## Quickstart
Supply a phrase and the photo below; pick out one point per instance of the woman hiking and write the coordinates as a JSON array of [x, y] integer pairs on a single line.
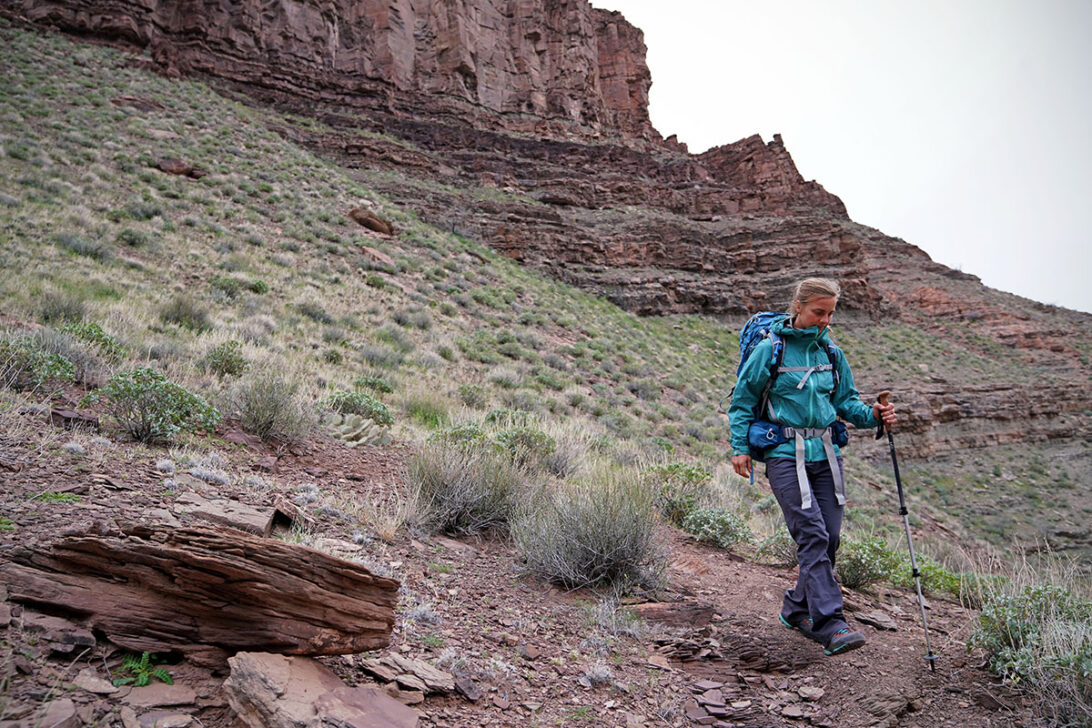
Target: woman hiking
[[812, 386]]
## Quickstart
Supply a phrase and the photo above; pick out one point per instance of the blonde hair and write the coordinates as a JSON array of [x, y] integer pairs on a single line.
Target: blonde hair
[[810, 288]]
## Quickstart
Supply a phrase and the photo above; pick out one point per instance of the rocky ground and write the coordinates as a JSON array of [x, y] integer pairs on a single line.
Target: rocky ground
[[517, 651]]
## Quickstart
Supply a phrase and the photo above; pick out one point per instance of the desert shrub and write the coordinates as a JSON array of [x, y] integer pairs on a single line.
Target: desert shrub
[[396, 337], [257, 285], [268, 406], [56, 307], [526, 446], [359, 403], [934, 577], [186, 312], [414, 317], [1041, 635], [374, 383], [463, 490], [595, 530], [718, 526], [135, 238], [93, 334], [315, 312], [466, 434], [678, 488], [149, 407], [778, 549], [87, 367], [225, 286], [473, 395], [380, 356], [865, 562], [225, 359], [429, 410], [81, 245], [24, 365]]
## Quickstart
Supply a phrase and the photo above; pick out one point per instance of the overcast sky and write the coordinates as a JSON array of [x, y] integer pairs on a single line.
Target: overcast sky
[[960, 126]]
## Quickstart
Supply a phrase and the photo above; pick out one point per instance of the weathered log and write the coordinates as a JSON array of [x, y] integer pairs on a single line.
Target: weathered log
[[206, 589]]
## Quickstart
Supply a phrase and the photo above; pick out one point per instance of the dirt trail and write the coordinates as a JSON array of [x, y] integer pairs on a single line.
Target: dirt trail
[[540, 655]]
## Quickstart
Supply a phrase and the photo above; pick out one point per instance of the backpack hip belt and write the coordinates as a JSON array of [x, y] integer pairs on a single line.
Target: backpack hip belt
[[800, 434]]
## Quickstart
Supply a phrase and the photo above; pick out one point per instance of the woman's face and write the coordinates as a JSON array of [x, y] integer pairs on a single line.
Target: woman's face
[[816, 312]]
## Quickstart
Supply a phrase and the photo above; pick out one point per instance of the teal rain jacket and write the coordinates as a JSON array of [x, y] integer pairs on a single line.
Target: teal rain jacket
[[810, 406]]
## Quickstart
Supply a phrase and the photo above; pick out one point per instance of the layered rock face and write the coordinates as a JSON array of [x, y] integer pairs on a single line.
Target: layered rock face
[[515, 64]]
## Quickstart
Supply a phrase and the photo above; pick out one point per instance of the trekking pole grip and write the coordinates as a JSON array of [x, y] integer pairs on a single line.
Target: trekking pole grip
[[882, 399]]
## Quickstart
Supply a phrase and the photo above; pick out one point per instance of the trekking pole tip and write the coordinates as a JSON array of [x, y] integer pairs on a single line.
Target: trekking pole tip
[[932, 660]]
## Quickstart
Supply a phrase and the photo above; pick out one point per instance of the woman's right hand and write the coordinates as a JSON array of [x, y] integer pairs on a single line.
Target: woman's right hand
[[742, 465]]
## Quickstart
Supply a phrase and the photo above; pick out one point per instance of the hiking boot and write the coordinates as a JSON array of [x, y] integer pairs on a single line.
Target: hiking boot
[[802, 624], [843, 640]]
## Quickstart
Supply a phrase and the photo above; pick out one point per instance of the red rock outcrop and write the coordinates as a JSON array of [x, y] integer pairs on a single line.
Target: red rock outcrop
[[513, 64]]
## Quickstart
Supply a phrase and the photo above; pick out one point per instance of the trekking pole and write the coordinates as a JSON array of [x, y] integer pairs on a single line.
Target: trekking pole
[[930, 657]]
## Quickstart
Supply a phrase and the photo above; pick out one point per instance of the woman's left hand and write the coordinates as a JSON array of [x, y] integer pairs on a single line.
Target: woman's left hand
[[885, 412]]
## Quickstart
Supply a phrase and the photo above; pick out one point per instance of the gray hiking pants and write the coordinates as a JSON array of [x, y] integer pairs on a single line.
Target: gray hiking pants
[[817, 533]]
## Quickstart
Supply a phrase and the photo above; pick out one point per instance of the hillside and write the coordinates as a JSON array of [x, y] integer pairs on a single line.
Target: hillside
[[94, 230]]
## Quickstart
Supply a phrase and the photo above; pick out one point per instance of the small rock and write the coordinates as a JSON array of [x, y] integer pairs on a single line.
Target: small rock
[[529, 652], [88, 679], [410, 697], [159, 694], [694, 711], [165, 719], [712, 697], [809, 692], [129, 717], [501, 702], [469, 689], [706, 685], [5, 615], [59, 714], [792, 711], [878, 618]]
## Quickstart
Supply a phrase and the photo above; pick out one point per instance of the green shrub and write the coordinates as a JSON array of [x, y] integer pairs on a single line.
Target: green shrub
[[864, 562], [92, 333], [186, 312], [678, 488], [24, 365], [225, 286], [428, 410], [473, 395], [359, 403], [463, 490], [257, 286], [87, 366], [1041, 635], [150, 408], [596, 530], [135, 238], [268, 407], [466, 434], [718, 526], [526, 446], [55, 307], [315, 312], [778, 549], [374, 383], [80, 245], [934, 577], [225, 359]]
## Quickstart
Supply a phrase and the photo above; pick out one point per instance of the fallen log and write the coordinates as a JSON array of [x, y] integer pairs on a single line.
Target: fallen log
[[206, 590]]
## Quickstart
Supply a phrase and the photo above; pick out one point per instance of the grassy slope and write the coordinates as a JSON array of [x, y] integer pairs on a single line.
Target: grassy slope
[[86, 219]]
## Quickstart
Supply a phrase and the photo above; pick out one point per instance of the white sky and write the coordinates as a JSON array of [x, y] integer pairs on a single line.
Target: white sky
[[960, 126]]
